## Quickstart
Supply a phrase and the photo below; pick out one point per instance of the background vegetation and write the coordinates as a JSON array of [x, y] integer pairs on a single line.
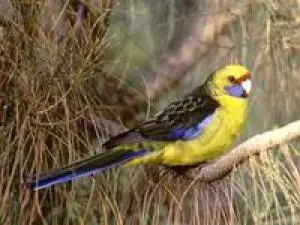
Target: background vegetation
[[73, 73]]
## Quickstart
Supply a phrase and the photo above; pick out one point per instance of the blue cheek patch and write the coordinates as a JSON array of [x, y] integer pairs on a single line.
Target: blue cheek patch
[[235, 90], [191, 132]]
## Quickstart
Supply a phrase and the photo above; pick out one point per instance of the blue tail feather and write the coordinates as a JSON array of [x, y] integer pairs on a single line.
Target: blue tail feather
[[85, 167]]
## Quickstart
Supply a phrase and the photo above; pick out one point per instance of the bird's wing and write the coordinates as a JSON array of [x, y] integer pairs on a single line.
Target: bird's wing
[[183, 119]]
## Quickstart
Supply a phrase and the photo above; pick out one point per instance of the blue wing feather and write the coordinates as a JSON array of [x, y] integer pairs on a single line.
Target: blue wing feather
[[183, 119], [189, 133]]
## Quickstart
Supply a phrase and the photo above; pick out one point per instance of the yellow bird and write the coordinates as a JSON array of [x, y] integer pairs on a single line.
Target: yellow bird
[[196, 128]]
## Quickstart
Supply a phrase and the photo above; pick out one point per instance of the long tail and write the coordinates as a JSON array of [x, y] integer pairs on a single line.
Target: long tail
[[85, 167]]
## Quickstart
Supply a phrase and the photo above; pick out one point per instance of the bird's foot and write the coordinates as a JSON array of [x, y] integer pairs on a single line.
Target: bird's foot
[[186, 171]]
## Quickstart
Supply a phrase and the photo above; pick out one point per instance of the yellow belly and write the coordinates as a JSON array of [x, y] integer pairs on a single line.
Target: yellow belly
[[215, 140]]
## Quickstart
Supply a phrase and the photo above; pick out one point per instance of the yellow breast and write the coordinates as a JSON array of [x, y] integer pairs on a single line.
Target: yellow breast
[[214, 141]]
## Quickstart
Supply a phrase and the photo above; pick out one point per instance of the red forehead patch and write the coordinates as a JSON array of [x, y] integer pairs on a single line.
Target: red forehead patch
[[246, 76]]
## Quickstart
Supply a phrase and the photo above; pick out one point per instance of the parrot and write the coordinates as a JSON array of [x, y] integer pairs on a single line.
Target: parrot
[[196, 128]]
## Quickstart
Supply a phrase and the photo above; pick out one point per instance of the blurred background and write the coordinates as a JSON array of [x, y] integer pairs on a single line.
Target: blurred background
[[73, 73]]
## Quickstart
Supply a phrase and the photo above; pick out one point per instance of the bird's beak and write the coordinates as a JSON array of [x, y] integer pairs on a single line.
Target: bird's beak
[[247, 85]]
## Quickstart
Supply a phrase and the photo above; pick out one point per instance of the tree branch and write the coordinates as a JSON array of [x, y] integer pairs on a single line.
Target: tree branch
[[258, 143]]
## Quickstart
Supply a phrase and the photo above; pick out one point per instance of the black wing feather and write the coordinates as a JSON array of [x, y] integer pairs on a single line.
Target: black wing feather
[[183, 113]]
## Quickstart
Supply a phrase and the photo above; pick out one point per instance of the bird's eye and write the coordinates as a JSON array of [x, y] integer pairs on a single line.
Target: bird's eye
[[231, 79]]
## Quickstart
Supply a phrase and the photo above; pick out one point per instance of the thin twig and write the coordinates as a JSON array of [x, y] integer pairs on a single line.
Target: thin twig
[[254, 145]]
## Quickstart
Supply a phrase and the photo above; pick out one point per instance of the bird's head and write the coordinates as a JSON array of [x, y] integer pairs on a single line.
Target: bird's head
[[233, 79]]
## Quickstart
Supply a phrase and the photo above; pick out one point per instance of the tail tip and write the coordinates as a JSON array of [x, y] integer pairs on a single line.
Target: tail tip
[[25, 186], [28, 186]]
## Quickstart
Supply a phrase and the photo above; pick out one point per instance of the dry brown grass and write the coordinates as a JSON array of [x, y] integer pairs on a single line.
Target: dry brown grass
[[49, 101]]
